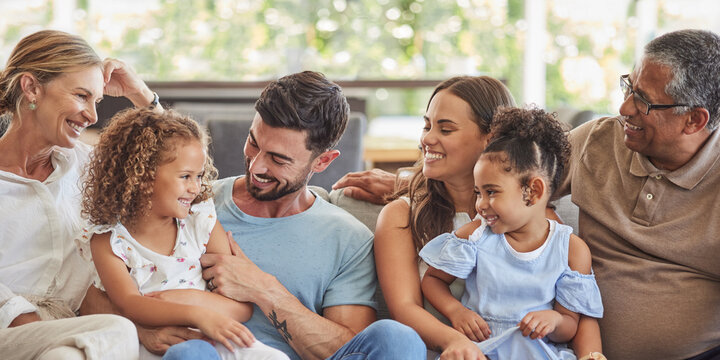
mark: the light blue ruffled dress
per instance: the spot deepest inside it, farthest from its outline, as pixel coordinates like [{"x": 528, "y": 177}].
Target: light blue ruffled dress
[{"x": 503, "y": 285}]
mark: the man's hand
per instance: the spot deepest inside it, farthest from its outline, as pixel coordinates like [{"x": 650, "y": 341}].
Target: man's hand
[
  {"x": 369, "y": 185},
  {"x": 158, "y": 340},
  {"x": 26, "y": 318},
  {"x": 235, "y": 276}
]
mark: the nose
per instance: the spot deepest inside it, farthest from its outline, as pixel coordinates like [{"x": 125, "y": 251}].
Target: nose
[
  {"x": 194, "y": 187},
  {"x": 90, "y": 113},
  {"x": 257, "y": 164},
  {"x": 628, "y": 107},
  {"x": 481, "y": 203},
  {"x": 428, "y": 137}
]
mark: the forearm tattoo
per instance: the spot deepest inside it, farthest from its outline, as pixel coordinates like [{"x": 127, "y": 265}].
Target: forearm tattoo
[{"x": 281, "y": 327}]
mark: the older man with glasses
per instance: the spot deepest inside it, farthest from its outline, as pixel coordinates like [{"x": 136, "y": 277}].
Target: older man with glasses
[{"x": 648, "y": 189}]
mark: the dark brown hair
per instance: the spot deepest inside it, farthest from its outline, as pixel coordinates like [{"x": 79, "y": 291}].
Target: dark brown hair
[
  {"x": 306, "y": 101},
  {"x": 431, "y": 208},
  {"x": 122, "y": 168}
]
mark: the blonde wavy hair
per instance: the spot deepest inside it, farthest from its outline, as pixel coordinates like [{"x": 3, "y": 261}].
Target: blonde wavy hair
[
  {"x": 122, "y": 168},
  {"x": 45, "y": 54}
]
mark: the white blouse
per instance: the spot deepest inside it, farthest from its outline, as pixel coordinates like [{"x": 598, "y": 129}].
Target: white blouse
[{"x": 38, "y": 222}]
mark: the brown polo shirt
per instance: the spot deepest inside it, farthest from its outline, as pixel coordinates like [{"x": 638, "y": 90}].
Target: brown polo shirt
[{"x": 655, "y": 242}]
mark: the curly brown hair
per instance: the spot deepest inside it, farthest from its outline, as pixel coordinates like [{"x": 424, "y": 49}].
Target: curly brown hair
[
  {"x": 122, "y": 168},
  {"x": 530, "y": 141}
]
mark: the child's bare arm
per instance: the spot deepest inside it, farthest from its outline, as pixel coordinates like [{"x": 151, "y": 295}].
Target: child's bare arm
[
  {"x": 436, "y": 289},
  {"x": 560, "y": 324},
  {"x": 148, "y": 311},
  {"x": 240, "y": 311}
]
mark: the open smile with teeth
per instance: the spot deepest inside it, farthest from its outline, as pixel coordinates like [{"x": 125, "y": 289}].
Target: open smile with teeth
[
  {"x": 261, "y": 180},
  {"x": 632, "y": 127},
  {"x": 433, "y": 156},
  {"x": 77, "y": 127},
  {"x": 490, "y": 219},
  {"x": 185, "y": 202}
]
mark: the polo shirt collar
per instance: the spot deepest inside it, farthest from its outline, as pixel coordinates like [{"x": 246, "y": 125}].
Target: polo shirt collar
[{"x": 690, "y": 174}]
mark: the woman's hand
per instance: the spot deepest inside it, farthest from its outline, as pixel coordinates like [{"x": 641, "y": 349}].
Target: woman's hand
[
  {"x": 462, "y": 349},
  {"x": 470, "y": 324},
  {"x": 538, "y": 324},
  {"x": 223, "y": 329},
  {"x": 121, "y": 80}
]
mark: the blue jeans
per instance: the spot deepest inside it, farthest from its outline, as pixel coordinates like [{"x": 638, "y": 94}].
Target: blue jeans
[
  {"x": 192, "y": 349},
  {"x": 383, "y": 339}
]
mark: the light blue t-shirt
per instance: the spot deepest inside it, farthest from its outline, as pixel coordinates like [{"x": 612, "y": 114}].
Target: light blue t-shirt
[{"x": 323, "y": 256}]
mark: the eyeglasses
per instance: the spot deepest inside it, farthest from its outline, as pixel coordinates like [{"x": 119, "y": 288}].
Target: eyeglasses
[{"x": 641, "y": 104}]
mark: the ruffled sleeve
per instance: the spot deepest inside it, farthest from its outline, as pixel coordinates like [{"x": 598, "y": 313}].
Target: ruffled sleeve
[
  {"x": 447, "y": 252},
  {"x": 579, "y": 293},
  {"x": 82, "y": 240},
  {"x": 200, "y": 223}
]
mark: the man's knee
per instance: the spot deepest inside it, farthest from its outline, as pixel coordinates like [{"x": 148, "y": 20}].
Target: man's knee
[
  {"x": 191, "y": 349},
  {"x": 394, "y": 337}
]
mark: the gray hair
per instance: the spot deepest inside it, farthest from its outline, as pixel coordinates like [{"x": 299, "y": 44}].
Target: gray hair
[{"x": 693, "y": 57}]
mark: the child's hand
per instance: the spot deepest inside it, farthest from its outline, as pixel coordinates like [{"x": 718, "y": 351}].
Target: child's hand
[
  {"x": 470, "y": 323},
  {"x": 223, "y": 329},
  {"x": 538, "y": 324}
]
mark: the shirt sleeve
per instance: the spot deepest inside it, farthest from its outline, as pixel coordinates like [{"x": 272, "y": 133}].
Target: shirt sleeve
[
  {"x": 579, "y": 293},
  {"x": 453, "y": 255},
  {"x": 11, "y": 306},
  {"x": 356, "y": 280}
]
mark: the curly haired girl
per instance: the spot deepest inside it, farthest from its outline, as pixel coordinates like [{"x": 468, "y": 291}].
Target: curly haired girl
[
  {"x": 527, "y": 277},
  {"x": 148, "y": 194}
]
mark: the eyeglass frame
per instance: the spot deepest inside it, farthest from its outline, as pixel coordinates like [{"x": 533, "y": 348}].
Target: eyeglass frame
[{"x": 625, "y": 84}]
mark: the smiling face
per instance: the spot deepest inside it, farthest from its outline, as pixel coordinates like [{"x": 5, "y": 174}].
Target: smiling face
[
  {"x": 499, "y": 196},
  {"x": 66, "y": 105},
  {"x": 277, "y": 162},
  {"x": 657, "y": 133},
  {"x": 178, "y": 182},
  {"x": 451, "y": 140}
]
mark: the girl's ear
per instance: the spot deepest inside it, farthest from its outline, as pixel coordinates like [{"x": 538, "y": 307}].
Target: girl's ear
[{"x": 535, "y": 190}]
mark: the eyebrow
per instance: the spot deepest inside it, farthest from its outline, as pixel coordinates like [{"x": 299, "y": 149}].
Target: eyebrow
[
  {"x": 638, "y": 91},
  {"x": 284, "y": 157},
  {"x": 441, "y": 121}
]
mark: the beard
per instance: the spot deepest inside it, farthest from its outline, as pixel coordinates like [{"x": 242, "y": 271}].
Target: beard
[{"x": 279, "y": 191}]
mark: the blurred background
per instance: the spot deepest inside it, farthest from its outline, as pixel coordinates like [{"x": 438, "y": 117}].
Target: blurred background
[{"x": 563, "y": 55}]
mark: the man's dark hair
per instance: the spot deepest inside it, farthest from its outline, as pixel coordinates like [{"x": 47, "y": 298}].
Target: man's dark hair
[{"x": 306, "y": 101}]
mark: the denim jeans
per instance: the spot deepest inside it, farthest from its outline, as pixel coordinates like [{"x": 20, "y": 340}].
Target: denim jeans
[
  {"x": 192, "y": 349},
  {"x": 383, "y": 339}
]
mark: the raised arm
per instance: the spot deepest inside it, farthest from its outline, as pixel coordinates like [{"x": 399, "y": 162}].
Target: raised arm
[
  {"x": 121, "y": 80},
  {"x": 397, "y": 267},
  {"x": 312, "y": 336},
  {"x": 123, "y": 293}
]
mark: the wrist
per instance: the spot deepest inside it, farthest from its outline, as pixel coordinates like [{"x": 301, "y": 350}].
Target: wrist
[
  {"x": 142, "y": 98},
  {"x": 593, "y": 356}
]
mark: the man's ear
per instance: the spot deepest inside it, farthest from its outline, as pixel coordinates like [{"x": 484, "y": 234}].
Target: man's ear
[
  {"x": 536, "y": 189},
  {"x": 696, "y": 121},
  {"x": 30, "y": 86},
  {"x": 323, "y": 160}
]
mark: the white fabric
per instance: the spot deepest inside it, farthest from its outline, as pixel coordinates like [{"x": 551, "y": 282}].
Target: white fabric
[
  {"x": 97, "y": 336},
  {"x": 531, "y": 255},
  {"x": 38, "y": 222},
  {"x": 157, "y": 272}
]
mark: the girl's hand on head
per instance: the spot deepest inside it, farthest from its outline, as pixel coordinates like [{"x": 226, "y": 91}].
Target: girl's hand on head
[
  {"x": 470, "y": 324},
  {"x": 462, "y": 349},
  {"x": 538, "y": 324},
  {"x": 224, "y": 330}
]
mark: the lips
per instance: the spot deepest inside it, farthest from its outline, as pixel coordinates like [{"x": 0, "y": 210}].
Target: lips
[
  {"x": 185, "y": 202},
  {"x": 78, "y": 128},
  {"x": 490, "y": 219},
  {"x": 433, "y": 155}
]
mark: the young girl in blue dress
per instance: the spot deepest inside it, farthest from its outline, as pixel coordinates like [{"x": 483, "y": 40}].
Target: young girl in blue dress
[
  {"x": 148, "y": 193},
  {"x": 527, "y": 278}
]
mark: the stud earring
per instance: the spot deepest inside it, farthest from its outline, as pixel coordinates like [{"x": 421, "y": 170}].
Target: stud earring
[{"x": 33, "y": 105}]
